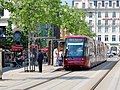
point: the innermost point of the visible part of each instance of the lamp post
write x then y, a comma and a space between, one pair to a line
1, 37
31, 34
95, 20
0, 63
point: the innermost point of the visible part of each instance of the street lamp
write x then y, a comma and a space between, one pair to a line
0, 63
95, 20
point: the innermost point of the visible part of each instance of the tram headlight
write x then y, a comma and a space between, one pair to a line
66, 59
82, 59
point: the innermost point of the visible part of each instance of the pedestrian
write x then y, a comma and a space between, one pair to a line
45, 57
60, 58
55, 57
18, 60
40, 59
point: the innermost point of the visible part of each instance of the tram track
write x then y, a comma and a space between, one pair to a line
101, 79
47, 80
67, 73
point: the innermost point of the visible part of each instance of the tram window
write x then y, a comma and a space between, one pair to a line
91, 47
114, 48
61, 44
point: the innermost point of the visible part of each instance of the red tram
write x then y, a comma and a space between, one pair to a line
82, 51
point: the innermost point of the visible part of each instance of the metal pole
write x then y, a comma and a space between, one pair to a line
29, 51
0, 63
51, 52
95, 21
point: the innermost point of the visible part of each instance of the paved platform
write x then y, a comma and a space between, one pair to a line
16, 78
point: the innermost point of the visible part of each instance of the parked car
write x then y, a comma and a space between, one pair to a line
110, 54
118, 54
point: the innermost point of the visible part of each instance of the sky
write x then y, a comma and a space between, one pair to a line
68, 1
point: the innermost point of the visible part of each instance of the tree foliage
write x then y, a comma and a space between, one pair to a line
74, 21
8, 41
26, 13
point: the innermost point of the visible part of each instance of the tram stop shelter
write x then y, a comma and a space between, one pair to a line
16, 50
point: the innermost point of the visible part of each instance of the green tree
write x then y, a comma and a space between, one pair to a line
74, 21
8, 41
26, 13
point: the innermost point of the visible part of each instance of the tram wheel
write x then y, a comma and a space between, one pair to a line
66, 68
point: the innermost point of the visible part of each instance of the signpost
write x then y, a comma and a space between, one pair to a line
0, 63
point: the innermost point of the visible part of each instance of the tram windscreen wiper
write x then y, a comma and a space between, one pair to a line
68, 54
71, 57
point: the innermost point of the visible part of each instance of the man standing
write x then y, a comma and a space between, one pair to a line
55, 57
40, 59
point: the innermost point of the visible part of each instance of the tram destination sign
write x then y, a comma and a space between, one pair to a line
75, 40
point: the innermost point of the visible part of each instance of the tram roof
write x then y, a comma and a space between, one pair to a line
79, 36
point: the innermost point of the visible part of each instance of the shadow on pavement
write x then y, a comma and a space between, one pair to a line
5, 69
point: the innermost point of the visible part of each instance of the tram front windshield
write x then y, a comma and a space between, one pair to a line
74, 47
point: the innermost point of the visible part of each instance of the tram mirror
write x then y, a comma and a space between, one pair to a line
90, 55
66, 51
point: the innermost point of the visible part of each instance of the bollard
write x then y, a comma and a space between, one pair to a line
0, 63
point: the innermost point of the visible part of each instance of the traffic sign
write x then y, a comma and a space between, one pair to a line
2, 36
17, 36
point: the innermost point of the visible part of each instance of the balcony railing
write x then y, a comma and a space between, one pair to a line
109, 25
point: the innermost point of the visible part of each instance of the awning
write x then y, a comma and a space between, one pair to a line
32, 46
44, 49
16, 48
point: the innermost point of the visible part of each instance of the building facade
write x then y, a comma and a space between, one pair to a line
3, 20
103, 17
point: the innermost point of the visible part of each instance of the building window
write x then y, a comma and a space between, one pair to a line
99, 29
106, 37
2, 30
99, 22
99, 14
113, 29
106, 29
113, 38
117, 3
119, 37
95, 3
83, 5
113, 22
114, 14
90, 29
113, 5
1, 12
103, 4
90, 22
106, 14
90, 5
110, 3
90, 14
99, 4
76, 5
99, 37
106, 22
106, 5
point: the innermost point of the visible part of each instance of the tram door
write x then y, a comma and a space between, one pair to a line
92, 52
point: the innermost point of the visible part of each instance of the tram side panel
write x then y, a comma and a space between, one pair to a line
92, 52
92, 56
